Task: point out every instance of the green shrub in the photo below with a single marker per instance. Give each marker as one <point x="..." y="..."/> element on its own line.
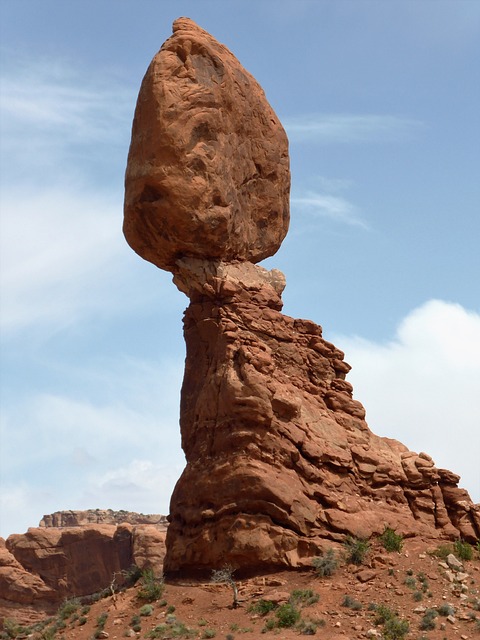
<point x="351" y="603"/>
<point x="307" y="627"/>
<point x="132" y="575"/>
<point x="410" y="582"/>
<point x="390" y="540"/>
<point x="442" y="551"/>
<point x="446" y="610"/>
<point x="263" y="607"/>
<point x="428" y="621"/>
<point x="326" y="564"/>
<point x="395" y="629"/>
<point x="418" y="596"/>
<point x="463" y="550"/>
<point x="146" y="610"/>
<point x="382" y="614"/>
<point x="356" y="550"/>
<point x="151" y="588"/>
<point x="303" y="597"/>
<point x="68" y="608"/>
<point x="171" y="608"/>
<point x="209" y="633"/>
<point x="101" y="620"/>
<point x="287" y="615"/>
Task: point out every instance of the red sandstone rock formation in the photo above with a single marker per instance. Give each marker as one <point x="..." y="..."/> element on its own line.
<point x="279" y="456"/>
<point x="43" y="567"/>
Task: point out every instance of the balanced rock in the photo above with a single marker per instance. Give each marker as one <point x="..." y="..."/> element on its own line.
<point x="279" y="456"/>
<point x="208" y="169"/>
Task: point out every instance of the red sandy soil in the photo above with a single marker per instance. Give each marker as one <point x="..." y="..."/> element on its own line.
<point x="206" y="608"/>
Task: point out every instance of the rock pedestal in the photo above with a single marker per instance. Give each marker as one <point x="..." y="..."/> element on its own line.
<point x="280" y="460"/>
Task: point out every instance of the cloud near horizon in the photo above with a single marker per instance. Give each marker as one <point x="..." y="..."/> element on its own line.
<point x="422" y="387"/>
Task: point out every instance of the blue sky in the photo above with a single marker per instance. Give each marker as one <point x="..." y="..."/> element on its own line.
<point x="380" y="101"/>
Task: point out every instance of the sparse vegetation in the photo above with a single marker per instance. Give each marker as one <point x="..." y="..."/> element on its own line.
<point x="209" y="633"/>
<point x="146" y="610"/>
<point x="287" y="615"/>
<point x="262" y="607"/>
<point x="391" y="540"/>
<point x="356" y="549"/>
<point x="428" y="621"/>
<point x="395" y="628"/>
<point x="151" y="588"/>
<point x="303" y="597"/>
<point x="226" y="575"/>
<point x="463" y="550"/>
<point x="351" y="603"/>
<point x="446" y="610"/>
<point x="326" y="564"/>
<point x="176" y="630"/>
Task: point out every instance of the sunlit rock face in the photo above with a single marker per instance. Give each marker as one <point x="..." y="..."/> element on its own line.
<point x="208" y="168"/>
<point x="280" y="460"/>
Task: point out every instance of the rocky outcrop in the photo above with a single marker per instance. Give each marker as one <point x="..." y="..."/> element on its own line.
<point x="43" y="567"/>
<point x="100" y="516"/>
<point x="279" y="456"/>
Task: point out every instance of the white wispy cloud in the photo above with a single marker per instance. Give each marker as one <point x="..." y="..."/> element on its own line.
<point x="422" y="387"/>
<point x="349" y="128"/>
<point x="120" y="450"/>
<point x="61" y="105"/>
<point x="334" y="207"/>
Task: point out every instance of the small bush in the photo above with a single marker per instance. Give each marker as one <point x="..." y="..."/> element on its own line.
<point x="390" y="540"/>
<point x="287" y="615"/>
<point x="303" y="597"/>
<point x="446" y="610"/>
<point x="463" y="550"/>
<point x="351" y="603"/>
<point x="395" y="629"/>
<point x="428" y="621"/>
<point x="171" y="608"/>
<point x="101" y="620"/>
<point x="410" y="582"/>
<point x="68" y="608"/>
<point x="262" y="607"/>
<point x="146" y="610"/>
<point x="209" y="633"/>
<point x="382" y="614"/>
<point x="81" y="621"/>
<point x="132" y="575"/>
<point x="326" y="564"/>
<point x="442" y="551"/>
<point x="418" y="596"/>
<point x="307" y="627"/>
<point x="152" y="588"/>
<point x="356" y="550"/>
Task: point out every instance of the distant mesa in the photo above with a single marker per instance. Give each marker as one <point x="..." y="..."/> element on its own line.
<point x="280" y="460"/>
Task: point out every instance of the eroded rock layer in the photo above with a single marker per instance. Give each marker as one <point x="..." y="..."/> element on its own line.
<point x="279" y="456"/>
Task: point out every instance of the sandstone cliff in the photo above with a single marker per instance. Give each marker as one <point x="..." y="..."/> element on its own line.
<point x="43" y="567"/>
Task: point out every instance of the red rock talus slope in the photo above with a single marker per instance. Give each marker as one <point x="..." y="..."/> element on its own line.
<point x="279" y="456"/>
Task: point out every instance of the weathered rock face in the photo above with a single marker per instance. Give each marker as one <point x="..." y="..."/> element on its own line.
<point x="43" y="567"/>
<point x="279" y="456"/>
<point x="99" y="516"/>
<point x="208" y="169"/>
